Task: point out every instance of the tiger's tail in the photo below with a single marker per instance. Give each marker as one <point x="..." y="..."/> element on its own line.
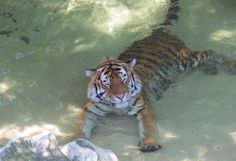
<point x="172" y="13"/>
<point x="171" y="16"/>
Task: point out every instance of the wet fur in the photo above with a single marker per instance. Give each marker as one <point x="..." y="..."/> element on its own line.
<point x="152" y="62"/>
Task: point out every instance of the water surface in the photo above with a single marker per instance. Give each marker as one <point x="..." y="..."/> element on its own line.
<point x="45" y="47"/>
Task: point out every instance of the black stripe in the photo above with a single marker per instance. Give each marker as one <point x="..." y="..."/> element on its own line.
<point x="136" y="114"/>
<point x="136" y="101"/>
<point x="103" y="68"/>
<point x="97" y="107"/>
<point x="96" y="88"/>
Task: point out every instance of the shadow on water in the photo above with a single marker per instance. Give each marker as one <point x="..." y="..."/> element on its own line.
<point x="45" y="46"/>
<point x="205" y="22"/>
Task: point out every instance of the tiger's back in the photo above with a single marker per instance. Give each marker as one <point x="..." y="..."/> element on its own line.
<point x="162" y="56"/>
<point x="159" y="56"/>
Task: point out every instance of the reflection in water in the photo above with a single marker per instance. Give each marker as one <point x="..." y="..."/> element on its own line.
<point x="118" y="17"/>
<point x="169" y="135"/>
<point x="45" y="47"/>
<point x="110" y="15"/>
<point x="222" y="35"/>
<point x="233" y="136"/>
<point x="16" y="131"/>
<point x="4" y="88"/>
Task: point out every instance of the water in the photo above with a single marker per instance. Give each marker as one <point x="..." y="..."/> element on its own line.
<point x="45" y="47"/>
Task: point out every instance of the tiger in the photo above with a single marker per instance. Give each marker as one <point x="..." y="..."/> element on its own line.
<point x="125" y="85"/>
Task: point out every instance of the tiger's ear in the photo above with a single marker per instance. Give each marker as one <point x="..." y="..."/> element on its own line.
<point x="132" y="63"/>
<point x="90" y="73"/>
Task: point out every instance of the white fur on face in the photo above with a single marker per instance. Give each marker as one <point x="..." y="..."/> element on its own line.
<point x="101" y="95"/>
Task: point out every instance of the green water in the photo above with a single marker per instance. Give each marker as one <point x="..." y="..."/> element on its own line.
<point x="45" y="47"/>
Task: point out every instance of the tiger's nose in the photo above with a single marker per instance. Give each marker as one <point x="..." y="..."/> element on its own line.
<point x="120" y="96"/>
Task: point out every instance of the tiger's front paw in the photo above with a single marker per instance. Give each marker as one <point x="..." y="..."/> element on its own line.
<point x="149" y="145"/>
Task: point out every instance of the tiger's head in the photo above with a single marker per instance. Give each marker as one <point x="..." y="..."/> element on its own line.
<point x="113" y="83"/>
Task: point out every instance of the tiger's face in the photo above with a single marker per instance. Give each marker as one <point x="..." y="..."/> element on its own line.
<point x="113" y="83"/>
